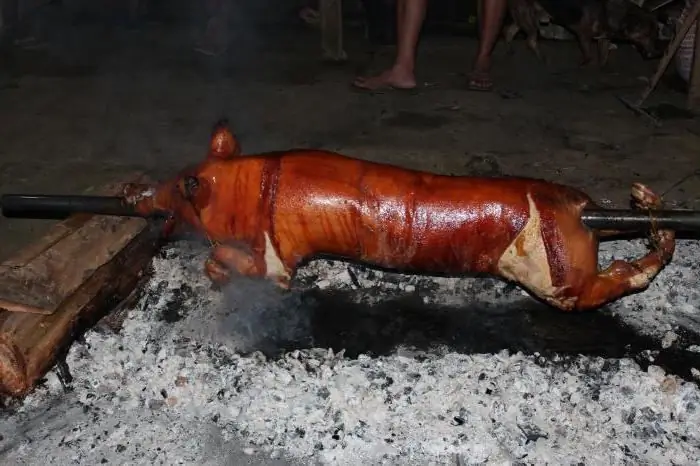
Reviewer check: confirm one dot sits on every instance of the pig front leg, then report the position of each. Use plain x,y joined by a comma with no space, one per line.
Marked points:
226,261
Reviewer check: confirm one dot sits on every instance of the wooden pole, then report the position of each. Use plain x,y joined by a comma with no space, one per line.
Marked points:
670,52
56,288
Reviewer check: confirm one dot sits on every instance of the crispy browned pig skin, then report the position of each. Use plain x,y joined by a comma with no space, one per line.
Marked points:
268,213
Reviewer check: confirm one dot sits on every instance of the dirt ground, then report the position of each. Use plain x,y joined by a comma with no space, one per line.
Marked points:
98,102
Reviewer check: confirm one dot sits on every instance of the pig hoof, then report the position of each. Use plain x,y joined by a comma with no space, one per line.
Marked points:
645,198
216,272
135,191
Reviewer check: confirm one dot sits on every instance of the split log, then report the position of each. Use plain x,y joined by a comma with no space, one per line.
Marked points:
53,290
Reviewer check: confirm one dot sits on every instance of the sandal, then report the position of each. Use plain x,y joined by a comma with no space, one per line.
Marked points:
480,81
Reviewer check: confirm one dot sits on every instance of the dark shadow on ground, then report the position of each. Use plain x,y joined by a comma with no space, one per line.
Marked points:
337,321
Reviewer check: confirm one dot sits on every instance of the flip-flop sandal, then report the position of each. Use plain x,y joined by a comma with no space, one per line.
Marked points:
480,82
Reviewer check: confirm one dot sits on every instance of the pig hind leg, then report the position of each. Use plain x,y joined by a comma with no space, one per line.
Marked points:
622,278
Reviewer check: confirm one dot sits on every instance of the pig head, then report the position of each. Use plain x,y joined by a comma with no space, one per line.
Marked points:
183,197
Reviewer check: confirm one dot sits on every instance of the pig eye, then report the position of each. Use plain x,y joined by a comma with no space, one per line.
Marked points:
190,185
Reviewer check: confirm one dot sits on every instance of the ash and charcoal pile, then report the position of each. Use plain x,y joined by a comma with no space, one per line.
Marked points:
202,377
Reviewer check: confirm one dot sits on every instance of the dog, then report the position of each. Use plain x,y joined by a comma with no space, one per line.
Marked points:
600,21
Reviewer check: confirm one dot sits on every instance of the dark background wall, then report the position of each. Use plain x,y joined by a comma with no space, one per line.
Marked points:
443,15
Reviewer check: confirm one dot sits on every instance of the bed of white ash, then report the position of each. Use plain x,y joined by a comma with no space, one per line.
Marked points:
182,383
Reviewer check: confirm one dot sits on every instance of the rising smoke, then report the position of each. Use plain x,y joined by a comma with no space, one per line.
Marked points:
248,315
260,317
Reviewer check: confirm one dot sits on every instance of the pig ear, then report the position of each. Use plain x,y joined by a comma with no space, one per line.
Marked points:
223,144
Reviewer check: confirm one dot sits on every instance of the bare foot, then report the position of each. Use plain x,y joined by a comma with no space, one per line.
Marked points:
396,78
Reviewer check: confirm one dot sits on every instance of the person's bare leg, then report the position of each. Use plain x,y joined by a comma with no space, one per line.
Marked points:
409,20
213,41
491,23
